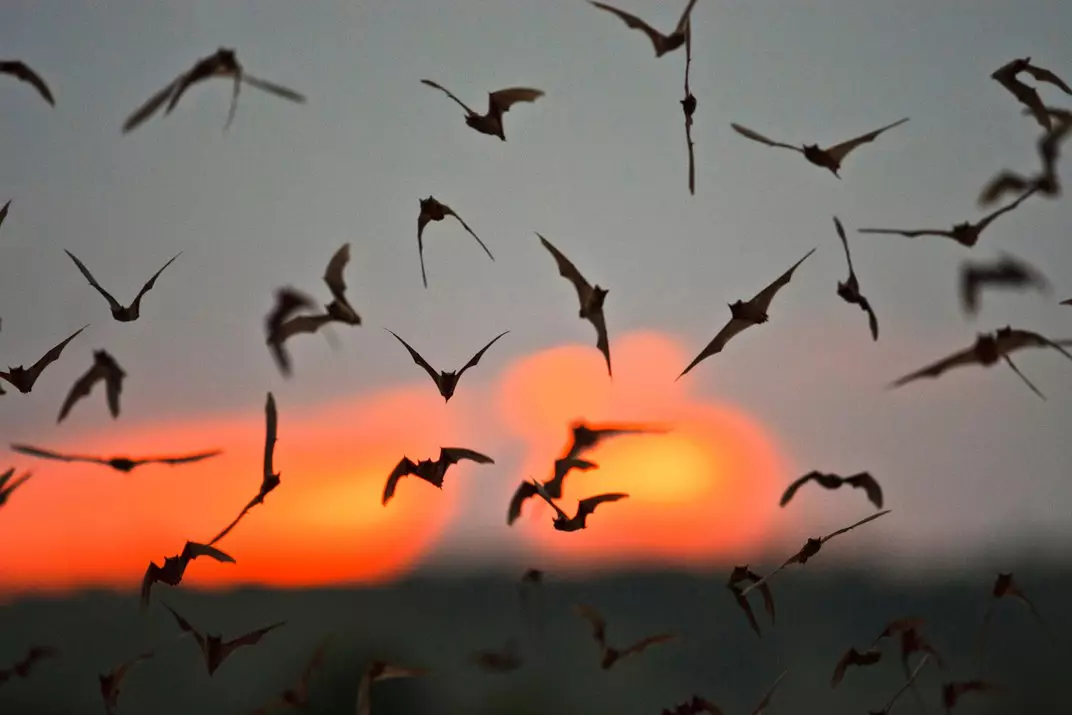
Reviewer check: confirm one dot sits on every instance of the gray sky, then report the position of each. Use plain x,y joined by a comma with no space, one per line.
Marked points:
597,166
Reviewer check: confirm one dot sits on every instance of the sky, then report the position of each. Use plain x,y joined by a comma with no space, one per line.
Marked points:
972,464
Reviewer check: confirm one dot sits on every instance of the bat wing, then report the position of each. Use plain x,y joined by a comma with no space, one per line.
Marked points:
971,278
844,243
909,234
964,357
273,88
567,270
22,71
838,152
683,22
1005,182
476,358
692,156
252,638
763,299
447,92
525,490
3,211
656,37
404,467
301,324
450,212
422,221
745,606
112,302
797,484
764,703
82,387
453,455
334,279
872,320
1011,340
585,507
418,359
599,625
1029,97
849,528
271,421
1022,376
193,550
501,100
48,454
988,219
599,321
185,626
644,643
151,106
151,282
185,459
869,484
729,330
757,137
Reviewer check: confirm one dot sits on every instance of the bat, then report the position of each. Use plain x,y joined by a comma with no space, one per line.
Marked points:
765,701
1067,302
861,480
1006,587
610,654
1007,77
663,43
532,580
898,626
744,314
288,301
849,290
952,692
110,682
22,668
585,508
830,157
222,63
214,649
445,381
24,378
966,233
120,464
499,102
431,470
688,108
21,71
986,351
7,487
1046,182
174,567
435,210
910,683
585,437
591,298
694,706
339,309
376,671
495,660
124,314
853,657
270,479
553,486
810,549
1006,271
106,369
744,573
297,696
3,211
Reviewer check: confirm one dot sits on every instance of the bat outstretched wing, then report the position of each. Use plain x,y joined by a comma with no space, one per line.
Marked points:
765,701
112,302
869,484
599,321
404,467
844,244
647,642
656,37
333,277
909,233
193,550
453,455
151,106
476,358
1022,376
447,92
989,218
596,621
729,330
757,137
51,356
838,152
151,282
301,324
186,627
450,212
762,300
797,484
82,387
252,638
417,357
1003,183
503,99
964,357
586,507
524,491
21,71
273,88
184,459
849,528
1044,75
567,270
48,454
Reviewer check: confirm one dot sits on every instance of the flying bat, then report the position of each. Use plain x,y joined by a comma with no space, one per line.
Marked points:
124,314
1006,271
431,470
22,668
1067,302
744,314
3,211
585,507
105,368
553,486
270,479
498,660
849,290
688,108
498,103
952,692
1007,77
830,157
853,657
765,701
742,574
174,567
339,309
811,548
434,210
591,298
297,696
611,655
1006,587
986,351
24,378
288,301
663,43
1046,182
120,464
861,480
376,671
447,382
584,437
966,233
897,627
214,649
222,63
110,682
21,71
7,487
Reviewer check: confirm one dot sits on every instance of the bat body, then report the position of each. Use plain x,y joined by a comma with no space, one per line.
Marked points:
688,108
432,209
1046,182
828,158
499,102
120,464
1007,271
745,314
24,378
662,43
21,71
288,301
745,574
106,369
585,508
214,650
954,691
861,480
174,567
110,682
8,487
270,479
853,657
610,654
128,313
553,486
966,233
376,671
222,63
445,381
431,470
22,668
849,289
1008,77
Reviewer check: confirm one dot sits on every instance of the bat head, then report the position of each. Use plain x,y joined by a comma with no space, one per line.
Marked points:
227,58
102,358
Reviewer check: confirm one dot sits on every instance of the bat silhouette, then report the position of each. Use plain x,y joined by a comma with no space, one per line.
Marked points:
339,309
21,71
1006,587
1007,77
591,298
744,314
663,43
104,368
986,351
966,233
585,507
1007,271
435,210
214,649
120,464
22,668
3,211
1046,182
765,701
910,683
174,567
811,548
830,157
498,660
7,487
297,696
584,437
861,480
110,682
742,574
222,63
531,580
1067,302
376,671
447,382
270,479
849,290
688,108
499,102
898,626
431,470
553,486
288,301
954,691
124,314
694,706
24,378
611,655
853,657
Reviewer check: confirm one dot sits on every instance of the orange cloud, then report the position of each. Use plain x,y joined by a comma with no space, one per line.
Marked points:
705,492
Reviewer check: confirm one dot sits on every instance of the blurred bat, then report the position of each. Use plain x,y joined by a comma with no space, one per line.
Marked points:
1006,587
591,298
910,683
222,63
499,102
898,626
952,692
861,480
830,157
553,486
433,210
965,233
612,655
110,682
174,567
214,649
744,573
744,314
288,301
21,71
6,488
270,479
124,314
22,668
1006,271
375,672
853,657
694,706
431,470
120,464
3,211
504,660
446,382
297,696
104,368
585,437
1067,302
585,507
1006,76
688,107
339,309
1046,182
764,703
849,290
663,43
912,641
24,378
